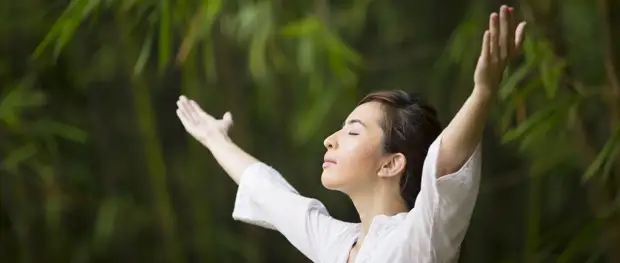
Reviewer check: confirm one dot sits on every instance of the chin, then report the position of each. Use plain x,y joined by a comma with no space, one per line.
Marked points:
332,181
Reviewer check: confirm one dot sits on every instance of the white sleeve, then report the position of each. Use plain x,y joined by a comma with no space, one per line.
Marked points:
266,199
439,220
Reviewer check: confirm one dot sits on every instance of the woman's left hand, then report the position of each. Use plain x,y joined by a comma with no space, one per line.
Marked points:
500,43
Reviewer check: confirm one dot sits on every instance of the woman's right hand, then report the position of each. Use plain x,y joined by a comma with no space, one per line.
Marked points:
202,126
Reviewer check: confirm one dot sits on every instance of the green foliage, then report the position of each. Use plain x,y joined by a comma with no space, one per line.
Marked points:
94,169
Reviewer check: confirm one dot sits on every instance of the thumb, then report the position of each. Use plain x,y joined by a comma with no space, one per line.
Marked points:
520,35
227,119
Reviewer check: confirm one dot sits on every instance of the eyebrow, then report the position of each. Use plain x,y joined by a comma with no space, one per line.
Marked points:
354,121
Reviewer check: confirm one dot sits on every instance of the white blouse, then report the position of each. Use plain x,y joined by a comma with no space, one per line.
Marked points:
431,232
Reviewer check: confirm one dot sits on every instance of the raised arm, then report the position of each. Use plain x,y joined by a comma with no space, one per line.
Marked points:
437,224
463,134
264,197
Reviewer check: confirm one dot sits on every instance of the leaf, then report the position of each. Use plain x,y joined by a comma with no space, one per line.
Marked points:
306,54
517,99
338,48
581,240
201,26
607,155
250,18
304,27
550,73
460,43
612,156
164,34
257,54
551,125
145,53
209,62
511,82
310,120
64,28
258,42
105,222
16,157
523,128
18,97
51,127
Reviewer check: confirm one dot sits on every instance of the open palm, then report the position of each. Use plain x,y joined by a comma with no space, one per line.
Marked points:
500,43
200,124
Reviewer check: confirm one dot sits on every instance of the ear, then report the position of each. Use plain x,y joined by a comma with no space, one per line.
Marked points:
393,165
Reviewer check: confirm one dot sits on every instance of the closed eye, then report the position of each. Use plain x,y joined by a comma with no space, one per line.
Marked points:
353,133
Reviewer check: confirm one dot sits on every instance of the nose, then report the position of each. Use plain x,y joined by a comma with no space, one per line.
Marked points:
330,142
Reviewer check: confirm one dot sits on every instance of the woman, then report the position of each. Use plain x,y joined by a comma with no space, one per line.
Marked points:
414,188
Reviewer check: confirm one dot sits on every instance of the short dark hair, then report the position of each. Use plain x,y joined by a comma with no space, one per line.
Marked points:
410,126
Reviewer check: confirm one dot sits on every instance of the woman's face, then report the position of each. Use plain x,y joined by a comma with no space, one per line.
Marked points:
354,154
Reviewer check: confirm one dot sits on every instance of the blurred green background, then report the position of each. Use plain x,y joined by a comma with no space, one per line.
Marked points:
95,167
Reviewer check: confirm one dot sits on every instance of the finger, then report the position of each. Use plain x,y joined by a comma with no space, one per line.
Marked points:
194,110
183,118
494,27
511,31
486,45
181,111
227,119
200,114
520,35
186,109
504,42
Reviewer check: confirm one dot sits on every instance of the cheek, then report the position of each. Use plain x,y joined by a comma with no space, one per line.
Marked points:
359,159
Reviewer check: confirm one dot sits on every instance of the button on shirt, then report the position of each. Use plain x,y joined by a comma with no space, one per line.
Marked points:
430,232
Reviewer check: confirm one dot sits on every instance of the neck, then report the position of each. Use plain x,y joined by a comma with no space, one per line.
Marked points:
377,201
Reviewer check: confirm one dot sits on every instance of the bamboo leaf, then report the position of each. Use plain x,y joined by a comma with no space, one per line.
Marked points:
511,82
19,97
105,222
258,46
607,155
523,128
165,34
303,27
582,238
337,48
249,18
311,119
47,127
16,157
56,28
550,73
546,113
518,98
201,25
306,54
64,28
145,53
209,61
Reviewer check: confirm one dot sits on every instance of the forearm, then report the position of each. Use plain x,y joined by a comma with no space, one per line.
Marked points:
231,157
463,134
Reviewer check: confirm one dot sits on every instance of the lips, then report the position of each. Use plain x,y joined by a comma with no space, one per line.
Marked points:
328,162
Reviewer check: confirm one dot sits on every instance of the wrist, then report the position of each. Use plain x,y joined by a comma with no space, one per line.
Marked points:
215,140
483,91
